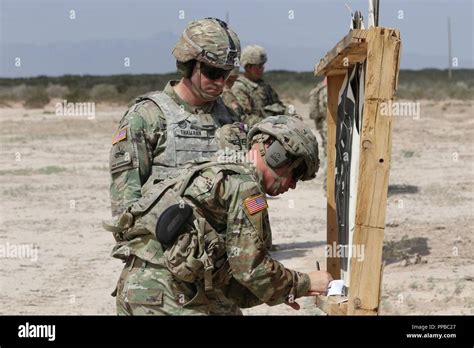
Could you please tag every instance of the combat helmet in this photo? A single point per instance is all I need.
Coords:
(210, 41)
(294, 136)
(253, 54)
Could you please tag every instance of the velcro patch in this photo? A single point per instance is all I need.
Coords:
(119, 136)
(254, 204)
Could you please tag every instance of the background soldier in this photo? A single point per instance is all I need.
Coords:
(214, 259)
(162, 130)
(228, 96)
(257, 98)
(317, 111)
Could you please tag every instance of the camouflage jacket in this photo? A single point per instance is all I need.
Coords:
(140, 145)
(231, 102)
(258, 100)
(318, 104)
(232, 200)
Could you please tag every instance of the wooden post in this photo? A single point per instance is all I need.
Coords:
(374, 167)
(380, 47)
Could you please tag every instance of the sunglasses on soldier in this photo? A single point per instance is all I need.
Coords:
(214, 73)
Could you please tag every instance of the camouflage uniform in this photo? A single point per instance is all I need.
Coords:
(317, 111)
(230, 100)
(242, 273)
(258, 98)
(160, 131)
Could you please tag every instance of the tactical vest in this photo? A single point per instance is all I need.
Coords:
(198, 254)
(188, 136)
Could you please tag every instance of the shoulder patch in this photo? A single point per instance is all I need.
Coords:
(119, 136)
(256, 203)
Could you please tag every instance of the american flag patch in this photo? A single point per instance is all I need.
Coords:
(121, 135)
(255, 204)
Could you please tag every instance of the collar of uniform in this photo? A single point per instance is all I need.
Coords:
(206, 108)
(248, 82)
(258, 175)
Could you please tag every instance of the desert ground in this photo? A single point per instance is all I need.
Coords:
(54, 195)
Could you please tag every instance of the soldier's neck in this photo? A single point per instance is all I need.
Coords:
(255, 162)
(184, 90)
(251, 77)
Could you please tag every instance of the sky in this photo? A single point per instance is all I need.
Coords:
(56, 37)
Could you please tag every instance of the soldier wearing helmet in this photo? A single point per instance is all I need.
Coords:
(217, 261)
(164, 129)
(257, 97)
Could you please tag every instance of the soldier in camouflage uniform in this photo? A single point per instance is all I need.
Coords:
(228, 97)
(317, 111)
(163, 130)
(218, 261)
(257, 98)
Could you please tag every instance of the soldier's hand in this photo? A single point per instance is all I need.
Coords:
(319, 282)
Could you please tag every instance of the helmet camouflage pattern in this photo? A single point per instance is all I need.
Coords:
(209, 40)
(253, 54)
(292, 133)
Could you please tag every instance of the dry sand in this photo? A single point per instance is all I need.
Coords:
(54, 185)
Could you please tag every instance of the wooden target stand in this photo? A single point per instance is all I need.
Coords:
(381, 48)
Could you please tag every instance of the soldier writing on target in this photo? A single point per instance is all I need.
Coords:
(197, 243)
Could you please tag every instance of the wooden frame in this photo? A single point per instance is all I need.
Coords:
(381, 48)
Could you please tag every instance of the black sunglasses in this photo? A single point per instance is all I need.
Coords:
(213, 73)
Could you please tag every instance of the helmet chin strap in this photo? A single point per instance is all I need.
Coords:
(198, 89)
(275, 187)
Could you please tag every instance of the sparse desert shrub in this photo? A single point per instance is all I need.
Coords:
(36, 97)
(429, 84)
(77, 95)
(57, 91)
(104, 92)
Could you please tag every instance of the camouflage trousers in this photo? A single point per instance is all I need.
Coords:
(148, 289)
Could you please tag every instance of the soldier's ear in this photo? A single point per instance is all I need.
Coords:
(186, 68)
(276, 155)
